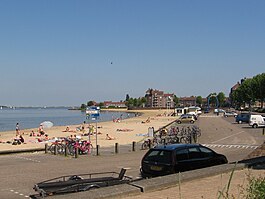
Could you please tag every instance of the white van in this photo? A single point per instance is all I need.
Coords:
(257, 121)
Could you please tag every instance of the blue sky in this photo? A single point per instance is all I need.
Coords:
(60, 52)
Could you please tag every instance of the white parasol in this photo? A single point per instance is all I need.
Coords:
(46, 124)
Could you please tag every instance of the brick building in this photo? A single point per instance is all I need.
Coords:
(158, 99)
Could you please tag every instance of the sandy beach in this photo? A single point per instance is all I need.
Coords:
(125, 131)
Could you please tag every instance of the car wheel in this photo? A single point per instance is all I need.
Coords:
(239, 122)
(191, 121)
(254, 125)
(179, 122)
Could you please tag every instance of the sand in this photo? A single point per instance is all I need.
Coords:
(125, 132)
(207, 188)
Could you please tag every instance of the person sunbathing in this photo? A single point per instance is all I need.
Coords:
(108, 137)
(68, 130)
(146, 121)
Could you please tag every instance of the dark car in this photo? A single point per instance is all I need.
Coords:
(243, 117)
(168, 159)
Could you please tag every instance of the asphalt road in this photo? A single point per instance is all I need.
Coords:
(19, 172)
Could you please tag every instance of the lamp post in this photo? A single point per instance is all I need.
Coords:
(93, 112)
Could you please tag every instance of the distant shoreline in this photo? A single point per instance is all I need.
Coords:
(29, 118)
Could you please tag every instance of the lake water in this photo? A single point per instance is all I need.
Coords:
(32, 117)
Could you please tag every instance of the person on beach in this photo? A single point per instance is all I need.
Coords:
(68, 130)
(91, 129)
(21, 139)
(17, 129)
(83, 127)
(108, 137)
(41, 130)
(32, 134)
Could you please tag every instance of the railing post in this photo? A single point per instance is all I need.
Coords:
(55, 149)
(65, 150)
(116, 148)
(97, 152)
(76, 152)
(46, 148)
(133, 146)
(149, 144)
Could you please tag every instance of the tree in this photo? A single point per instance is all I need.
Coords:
(143, 101)
(221, 98)
(199, 100)
(247, 91)
(90, 103)
(259, 87)
(250, 90)
(83, 106)
(127, 98)
(130, 102)
(101, 104)
(176, 100)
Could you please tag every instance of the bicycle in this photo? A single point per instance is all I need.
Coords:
(56, 146)
(83, 147)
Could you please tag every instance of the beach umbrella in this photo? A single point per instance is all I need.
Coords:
(47, 124)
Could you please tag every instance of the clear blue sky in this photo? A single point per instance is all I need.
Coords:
(60, 52)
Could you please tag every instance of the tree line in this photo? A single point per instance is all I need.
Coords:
(250, 91)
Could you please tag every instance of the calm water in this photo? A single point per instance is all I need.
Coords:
(32, 117)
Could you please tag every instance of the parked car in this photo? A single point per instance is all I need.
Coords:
(186, 118)
(173, 158)
(218, 110)
(230, 114)
(243, 117)
(257, 121)
(206, 110)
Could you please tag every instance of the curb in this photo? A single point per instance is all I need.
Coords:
(21, 151)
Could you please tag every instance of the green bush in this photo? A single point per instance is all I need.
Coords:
(255, 188)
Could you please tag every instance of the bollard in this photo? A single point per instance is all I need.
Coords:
(263, 131)
(46, 148)
(97, 152)
(133, 146)
(149, 144)
(55, 149)
(116, 148)
(76, 152)
(65, 150)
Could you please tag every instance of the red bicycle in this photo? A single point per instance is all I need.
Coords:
(84, 147)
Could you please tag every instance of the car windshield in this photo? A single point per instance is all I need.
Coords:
(161, 156)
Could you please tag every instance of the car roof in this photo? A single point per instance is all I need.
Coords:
(172, 147)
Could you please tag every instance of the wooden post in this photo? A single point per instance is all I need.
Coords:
(55, 149)
(149, 143)
(76, 152)
(65, 150)
(97, 152)
(133, 145)
(46, 148)
(116, 148)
